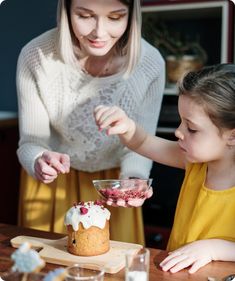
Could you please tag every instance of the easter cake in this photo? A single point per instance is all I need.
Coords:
(88, 229)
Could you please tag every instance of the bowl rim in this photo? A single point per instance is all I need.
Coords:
(122, 180)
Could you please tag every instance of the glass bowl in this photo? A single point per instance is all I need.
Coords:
(121, 192)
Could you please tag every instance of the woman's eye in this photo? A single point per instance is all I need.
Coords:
(116, 17)
(85, 16)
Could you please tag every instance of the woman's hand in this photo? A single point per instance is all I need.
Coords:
(196, 255)
(50, 165)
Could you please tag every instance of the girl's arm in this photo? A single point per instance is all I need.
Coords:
(158, 149)
(199, 253)
(115, 121)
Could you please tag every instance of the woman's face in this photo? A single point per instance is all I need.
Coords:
(98, 24)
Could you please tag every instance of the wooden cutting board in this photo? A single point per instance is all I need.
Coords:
(55, 251)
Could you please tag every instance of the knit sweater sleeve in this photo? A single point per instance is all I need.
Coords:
(147, 116)
(33, 119)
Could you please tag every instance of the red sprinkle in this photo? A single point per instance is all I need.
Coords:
(83, 210)
(98, 202)
(119, 194)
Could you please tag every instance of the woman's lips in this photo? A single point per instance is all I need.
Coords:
(97, 44)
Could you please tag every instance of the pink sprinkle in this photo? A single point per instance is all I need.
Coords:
(98, 202)
(115, 194)
(83, 210)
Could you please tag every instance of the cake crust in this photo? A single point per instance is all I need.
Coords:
(88, 242)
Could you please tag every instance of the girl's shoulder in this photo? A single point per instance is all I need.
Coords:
(196, 170)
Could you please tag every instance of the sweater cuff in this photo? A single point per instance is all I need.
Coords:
(28, 156)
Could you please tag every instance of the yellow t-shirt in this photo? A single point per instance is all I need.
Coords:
(202, 213)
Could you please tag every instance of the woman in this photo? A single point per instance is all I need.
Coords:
(95, 55)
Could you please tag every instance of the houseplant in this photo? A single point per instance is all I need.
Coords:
(181, 53)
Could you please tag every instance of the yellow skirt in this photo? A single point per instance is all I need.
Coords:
(43, 206)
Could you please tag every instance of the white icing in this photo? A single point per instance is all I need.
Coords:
(96, 216)
(26, 259)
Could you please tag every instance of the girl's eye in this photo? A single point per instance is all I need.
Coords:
(192, 131)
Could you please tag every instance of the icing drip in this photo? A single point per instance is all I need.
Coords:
(88, 213)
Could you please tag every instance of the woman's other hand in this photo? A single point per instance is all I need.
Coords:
(48, 166)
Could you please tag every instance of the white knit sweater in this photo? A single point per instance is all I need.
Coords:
(56, 103)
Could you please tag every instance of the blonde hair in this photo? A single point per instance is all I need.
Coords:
(129, 44)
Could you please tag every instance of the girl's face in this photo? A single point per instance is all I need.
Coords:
(199, 139)
(98, 24)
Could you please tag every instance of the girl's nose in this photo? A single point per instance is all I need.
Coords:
(179, 134)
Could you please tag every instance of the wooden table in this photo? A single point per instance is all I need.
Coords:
(215, 269)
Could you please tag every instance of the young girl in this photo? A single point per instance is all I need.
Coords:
(203, 228)
(95, 55)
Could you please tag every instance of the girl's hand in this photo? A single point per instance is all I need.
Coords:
(113, 119)
(196, 255)
(50, 165)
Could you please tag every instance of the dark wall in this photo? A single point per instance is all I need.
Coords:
(20, 21)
